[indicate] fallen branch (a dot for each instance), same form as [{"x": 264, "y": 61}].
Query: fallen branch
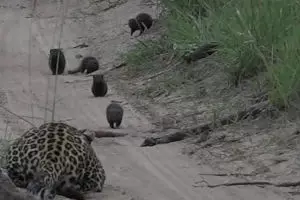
[
  {"x": 107, "y": 133},
  {"x": 283, "y": 184},
  {"x": 174, "y": 137},
  {"x": 83, "y": 45},
  {"x": 226, "y": 174},
  {"x": 207, "y": 127}
]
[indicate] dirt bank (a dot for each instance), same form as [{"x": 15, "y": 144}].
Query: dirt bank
[{"x": 161, "y": 172}]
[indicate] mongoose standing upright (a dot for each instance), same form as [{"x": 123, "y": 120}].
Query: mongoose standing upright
[
  {"x": 140, "y": 22},
  {"x": 114, "y": 114},
  {"x": 99, "y": 86},
  {"x": 88, "y": 64},
  {"x": 54, "y": 55}
]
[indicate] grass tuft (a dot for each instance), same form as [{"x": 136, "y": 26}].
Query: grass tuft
[{"x": 141, "y": 57}]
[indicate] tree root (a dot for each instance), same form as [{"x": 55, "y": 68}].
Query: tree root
[
  {"x": 252, "y": 111},
  {"x": 283, "y": 184}
]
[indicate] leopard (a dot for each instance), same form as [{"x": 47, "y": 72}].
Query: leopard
[{"x": 55, "y": 158}]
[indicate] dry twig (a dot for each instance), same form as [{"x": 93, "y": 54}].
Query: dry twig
[{"x": 22, "y": 118}]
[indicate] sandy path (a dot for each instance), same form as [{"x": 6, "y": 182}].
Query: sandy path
[{"x": 158, "y": 173}]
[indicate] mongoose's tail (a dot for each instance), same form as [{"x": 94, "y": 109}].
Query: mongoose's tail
[{"x": 78, "y": 69}]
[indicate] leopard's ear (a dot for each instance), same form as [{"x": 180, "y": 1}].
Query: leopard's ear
[
  {"x": 81, "y": 131},
  {"x": 89, "y": 135}
]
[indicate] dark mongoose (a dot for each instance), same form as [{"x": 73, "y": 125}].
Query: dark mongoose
[
  {"x": 99, "y": 86},
  {"x": 54, "y": 55},
  {"x": 141, "y": 21},
  {"x": 114, "y": 114},
  {"x": 88, "y": 64}
]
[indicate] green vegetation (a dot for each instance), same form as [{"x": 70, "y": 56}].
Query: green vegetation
[
  {"x": 255, "y": 37},
  {"x": 142, "y": 55}
]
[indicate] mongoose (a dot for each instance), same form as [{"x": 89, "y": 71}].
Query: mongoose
[
  {"x": 88, "y": 64},
  {"x": 140, "y": 22},
  {"x": 114, "y": 114},
  {"x": 99, "y": 86},
  {"x": 54, "y": 55}
]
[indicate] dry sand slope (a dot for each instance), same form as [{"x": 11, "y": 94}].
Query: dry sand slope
[{"x": 158, "y": 173}]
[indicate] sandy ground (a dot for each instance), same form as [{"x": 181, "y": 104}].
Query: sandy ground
[{"x": 161, "y": 172}]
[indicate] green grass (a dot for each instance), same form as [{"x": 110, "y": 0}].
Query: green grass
[
  {"x": 255, "y": 36},
  {"x": 141, "y": 57},
  {"x": 170, "y": 82},
  {"x": 262, "y": 36}
]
